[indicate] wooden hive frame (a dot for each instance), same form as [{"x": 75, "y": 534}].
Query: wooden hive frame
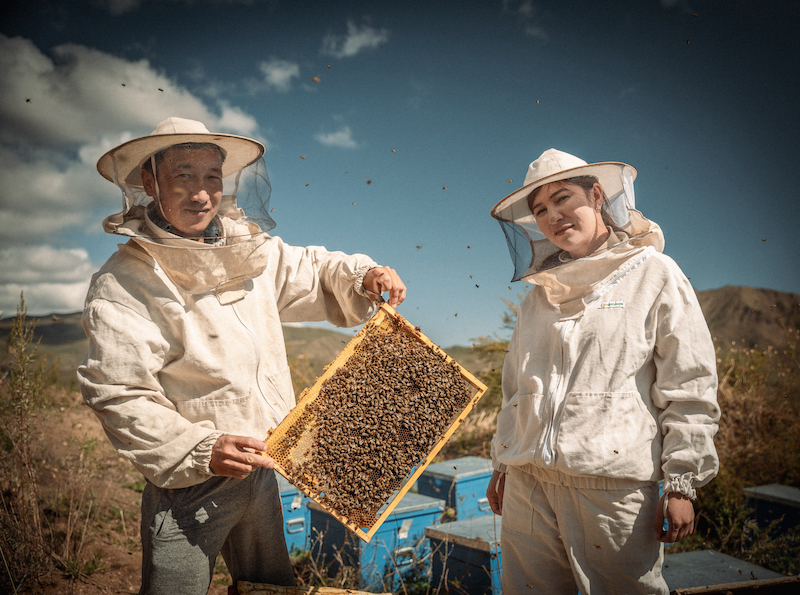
[{"x": 385, "y": 318}]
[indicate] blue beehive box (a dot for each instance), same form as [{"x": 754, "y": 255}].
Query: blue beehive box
[
  {"x": 705, "y": 569},
  {"x": 466, "y": 557},
  {"x": 396, "y": 551},
  {"x": 296, "y": 516},
  {"x": 775, "y": 503},
  {"x": 461, "y": 483}
]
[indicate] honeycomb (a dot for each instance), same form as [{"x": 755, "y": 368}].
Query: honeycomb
[{"x": 369, "y": 426}]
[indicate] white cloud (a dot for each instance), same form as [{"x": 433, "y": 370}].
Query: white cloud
[
  {"x": 58, "y": 114},
  {"x": 278, "y": 74},
  {"x": 343, "y": 138},
  {"x": 120, "y": 7},
  {"x": 525, "y": 10},
  {"x": 82, "y": 94},
  {"x": 44, "y": 298},
  {"x": 23, "y": 264},
  {"x": 46, "y": 194},
  {"x": 356, "y": 39},
  {"x": 537, "y": 32},
  {"x": 51, "y": 279}
]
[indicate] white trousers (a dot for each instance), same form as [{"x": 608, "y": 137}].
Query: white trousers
[{"x": 564, "y": 534}]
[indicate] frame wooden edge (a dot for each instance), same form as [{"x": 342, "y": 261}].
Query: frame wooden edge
[{"x": 309, "y": 394}]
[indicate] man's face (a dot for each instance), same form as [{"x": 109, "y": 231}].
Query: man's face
[{"x": 189, "y": 188}]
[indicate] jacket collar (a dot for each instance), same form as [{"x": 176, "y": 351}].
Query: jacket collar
[
  {"x": 224, "y": 268},
  {"x": 572, "y": 284}
]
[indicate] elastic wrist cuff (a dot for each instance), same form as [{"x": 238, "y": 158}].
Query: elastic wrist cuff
[{"x": 681, "y": 484}]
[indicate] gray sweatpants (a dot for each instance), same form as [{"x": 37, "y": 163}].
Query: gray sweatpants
[{"x": 184, "y": 529}]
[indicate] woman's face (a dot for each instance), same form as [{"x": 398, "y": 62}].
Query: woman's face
[{"x": 570, "y": 217}]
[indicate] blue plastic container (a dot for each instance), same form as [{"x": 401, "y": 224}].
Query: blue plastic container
[
  {"x": 466, "y": 556},
  {"x": 296, "y": 516},
  {"x": 461, "y": 483},
  {"x": 398, "y": 550}
]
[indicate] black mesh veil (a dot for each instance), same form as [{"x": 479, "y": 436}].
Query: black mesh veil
[
  {"x": 252, "y": 193},
  {"x": 245, "y": 199},
  {"x": 527, "y": 245}
]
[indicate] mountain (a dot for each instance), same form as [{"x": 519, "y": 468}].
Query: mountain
[{"x": 751, "y": 317}]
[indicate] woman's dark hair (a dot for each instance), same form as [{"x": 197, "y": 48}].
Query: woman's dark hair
[{"x": 159, "y": 157}]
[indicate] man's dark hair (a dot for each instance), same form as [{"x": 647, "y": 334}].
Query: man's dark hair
[{"x": 159, "y": 157}]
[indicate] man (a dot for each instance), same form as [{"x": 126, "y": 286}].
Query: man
[{"x": 187, "y": 366}]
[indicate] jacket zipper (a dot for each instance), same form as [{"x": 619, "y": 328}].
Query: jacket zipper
[
  {"x": 548, "y": 456},
  {"x": 559, "y": 392},
  {"x": 258, "y": 365}
]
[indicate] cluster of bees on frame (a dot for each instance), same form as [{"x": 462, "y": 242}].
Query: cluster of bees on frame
[{"x": 373, "y": 421}]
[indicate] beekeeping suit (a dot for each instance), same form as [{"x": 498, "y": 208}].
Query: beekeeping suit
[
  {"x": 609, "y": 386},
  {"x": 186, "y": 345}
]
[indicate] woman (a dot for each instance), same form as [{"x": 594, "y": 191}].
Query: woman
[{"x": 609, "y": 387}]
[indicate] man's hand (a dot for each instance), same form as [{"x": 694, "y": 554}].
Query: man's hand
[
  {"x": 238, "y": 456},
  {"x": 680, "y": 516},
  {"x": 381, "y": 279},
  {"x": 494, "y": 493}
]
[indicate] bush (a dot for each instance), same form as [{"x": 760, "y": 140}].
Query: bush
[
  {"x": 34, "y": 531},
  {"x": 23, "y": 545},
  {"x": 759, "y": 397}
]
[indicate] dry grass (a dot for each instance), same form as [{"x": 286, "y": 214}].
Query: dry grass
[
  {"x": 57, "y": 517},
  {"x": 759, "y": 396}
]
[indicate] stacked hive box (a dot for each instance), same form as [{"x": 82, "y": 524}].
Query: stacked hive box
[
  {"x": 400, "y": 549},
  {"x": 395, "y": 552},
  {"x": 467, "y": 553},
  {"x": 296, "y": 520},
  {"x": 774, "y": 503},
  {"x": 461, "y": 483}
]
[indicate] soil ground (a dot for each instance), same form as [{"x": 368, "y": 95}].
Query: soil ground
[
  {"x": 113, "y": 528},
  {"x": 107, "y": 481}
]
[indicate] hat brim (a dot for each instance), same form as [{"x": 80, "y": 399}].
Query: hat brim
[
  {"x": 124, "y": 163},
  {"x": 608, "y": 174}
]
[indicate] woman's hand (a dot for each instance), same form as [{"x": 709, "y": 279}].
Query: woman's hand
[
  {"x": 381, "y": 279},
  {"x": 680, "y": 516},
  {"x": 494, "y": 492},
  {"x": 238, "y": 456}
]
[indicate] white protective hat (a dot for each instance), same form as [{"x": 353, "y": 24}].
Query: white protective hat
[
  {"x": 123, "y": 164},
  {"x": 554, "y": 165},
  {"x": 528, "y": 246}
]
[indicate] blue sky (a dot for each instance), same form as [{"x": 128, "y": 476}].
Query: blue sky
[{"x": 392, "y": 128}]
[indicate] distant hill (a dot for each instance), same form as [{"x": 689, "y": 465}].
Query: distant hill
[{"x": 751, "y": 317}]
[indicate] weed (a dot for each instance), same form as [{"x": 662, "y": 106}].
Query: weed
[
  {"x": 137, "y": 486},
  {"x": 221, "y": 568},
  {"x": 36, "y": 528},
  {"x": 22, "y": 536},
  {"x": 314, "y": 568},
  {"x": 759, "y": 396}
]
